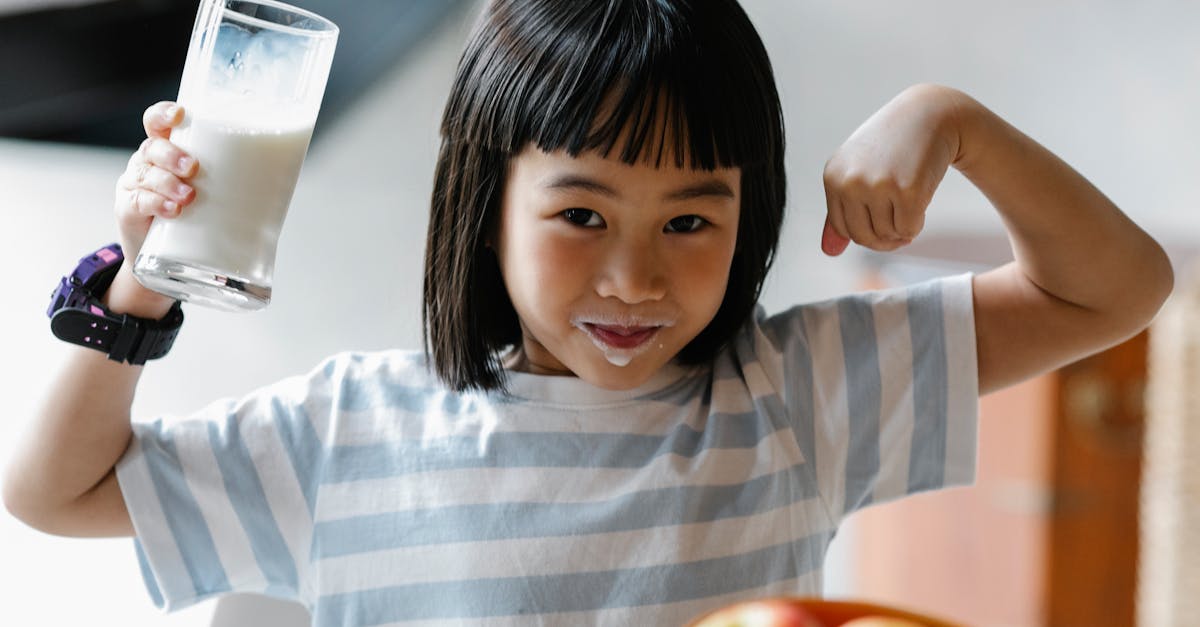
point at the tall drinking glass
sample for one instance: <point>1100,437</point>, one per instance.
<point>252,85</point>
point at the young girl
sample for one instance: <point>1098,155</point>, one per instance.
<point>604,428</point>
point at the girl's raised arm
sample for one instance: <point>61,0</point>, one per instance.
<point>61,479</point>
<point>1085,276</point>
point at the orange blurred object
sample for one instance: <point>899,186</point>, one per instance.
<point>881,621</point>
<point>826,613</point>
<point>773,612</point>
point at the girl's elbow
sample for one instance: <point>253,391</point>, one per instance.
<point>1162,281</point>
<point>24,503</point>
<point>19,506</point>
<point>1155,285</point>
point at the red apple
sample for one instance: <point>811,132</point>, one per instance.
<point>881,621</point>
<point>762,613</point>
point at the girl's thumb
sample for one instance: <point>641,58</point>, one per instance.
<point>832,244</point>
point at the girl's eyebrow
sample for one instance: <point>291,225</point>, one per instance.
<point>710,187</point>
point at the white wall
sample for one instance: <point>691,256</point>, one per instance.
<point>1110,86</point>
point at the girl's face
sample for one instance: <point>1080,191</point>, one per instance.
<point>613,268</point>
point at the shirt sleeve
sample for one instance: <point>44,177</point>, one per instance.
<point>883,390</point>
<point>223,500</point>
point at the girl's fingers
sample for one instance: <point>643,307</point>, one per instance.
<point>832,243</point>
<point>883,219</point>
<point>162,153</point>
<point>148,189</point>
<point>161,117</point>
<point>835,237</point>
<point>908,223</point>
<point>865,231</point>
<point>135,171</point>
<point>165,184</point>
<point>148,203</point>
<point>858,224</point>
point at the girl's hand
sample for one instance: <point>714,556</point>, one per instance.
<point>880,181</point>
<point>155,183</point>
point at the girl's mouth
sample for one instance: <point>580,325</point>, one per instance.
<point>619,337</point>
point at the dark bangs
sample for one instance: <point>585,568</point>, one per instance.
<point>647,80</point>
<point>684,77</point>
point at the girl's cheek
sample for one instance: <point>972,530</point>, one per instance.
<point>556,251</point>
<point>704,258</point>
<point>701,278</point>
<point>552,262</point>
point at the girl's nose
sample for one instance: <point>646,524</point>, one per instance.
<point>632,273</point>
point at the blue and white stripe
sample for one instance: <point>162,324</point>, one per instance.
<point>374,496</point>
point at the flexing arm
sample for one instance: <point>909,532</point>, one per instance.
<point>61,479</point>
<point>1085,276</point>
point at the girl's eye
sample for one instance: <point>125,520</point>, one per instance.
<point>583,217</point>
<point>685,224</point>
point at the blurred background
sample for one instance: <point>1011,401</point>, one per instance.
<point>1110,86</point>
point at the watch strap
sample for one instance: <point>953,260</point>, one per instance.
<point>122,337</point>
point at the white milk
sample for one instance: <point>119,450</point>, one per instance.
<point>243,189</point>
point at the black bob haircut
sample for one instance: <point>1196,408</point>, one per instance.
<point>690,77</point>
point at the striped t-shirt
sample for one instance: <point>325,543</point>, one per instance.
<point>374,496</point>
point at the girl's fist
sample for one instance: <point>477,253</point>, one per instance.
<point>880,181</point>
<point>155,182</point>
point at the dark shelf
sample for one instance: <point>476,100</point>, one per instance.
<point>84,74</point>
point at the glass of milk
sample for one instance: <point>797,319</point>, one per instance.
<point>251,88</point>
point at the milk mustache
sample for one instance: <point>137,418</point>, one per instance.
<point>243,187</point>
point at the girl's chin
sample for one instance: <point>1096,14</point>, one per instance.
<point>616,377</point>
<point>610,370</point>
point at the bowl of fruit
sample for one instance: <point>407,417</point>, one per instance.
<point>810,612</point>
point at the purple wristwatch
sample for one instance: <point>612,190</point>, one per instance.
<point>77,316</point>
